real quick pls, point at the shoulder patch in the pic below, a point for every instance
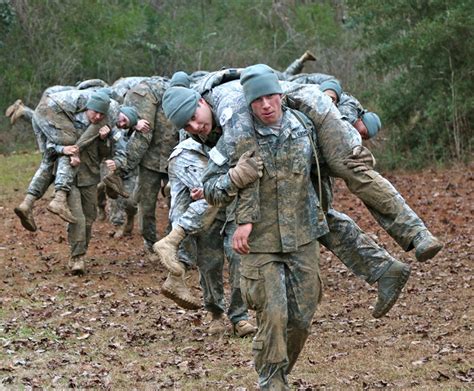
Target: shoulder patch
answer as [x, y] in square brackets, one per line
[217, 157]
[117, 135]
[225, 116]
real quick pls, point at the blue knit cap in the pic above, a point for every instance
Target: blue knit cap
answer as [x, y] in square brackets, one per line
[180, 79]
[180, 104]
[99, 102]
[131, 113]
[259, 80]
[372, 123]
[333, 85]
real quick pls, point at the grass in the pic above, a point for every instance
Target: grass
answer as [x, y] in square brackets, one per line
[16, 172]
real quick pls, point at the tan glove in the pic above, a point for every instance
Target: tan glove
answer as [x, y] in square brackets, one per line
[248, 169]
[360, 160]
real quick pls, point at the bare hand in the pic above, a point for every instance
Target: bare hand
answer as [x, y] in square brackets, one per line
[240, 240]
[70, 150]
[197, 193]
[142, 126]
[75, 160]
[104, 132]
[111, 165]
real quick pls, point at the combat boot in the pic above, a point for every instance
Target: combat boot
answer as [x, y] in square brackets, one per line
[175, 288]
[77, 265]
[114, 182]
[11, 109]
[167, 250]
[244, 328]
[390, 285]
[18, 113]
[426, 245]
[59, 207]
[25, 212]
[308, 56]
[217, 324]
[125, 229]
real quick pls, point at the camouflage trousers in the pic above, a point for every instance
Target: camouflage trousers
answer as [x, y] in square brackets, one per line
[365, 258]
[284, 289]
[148, 188]
[206, 250]
[83, 203]
[121, 208]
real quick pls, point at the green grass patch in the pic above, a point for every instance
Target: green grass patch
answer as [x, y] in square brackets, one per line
[16, 171]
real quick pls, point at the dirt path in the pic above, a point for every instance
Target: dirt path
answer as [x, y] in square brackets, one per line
[112, 329]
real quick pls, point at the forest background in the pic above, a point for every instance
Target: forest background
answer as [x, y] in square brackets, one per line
[408, 60]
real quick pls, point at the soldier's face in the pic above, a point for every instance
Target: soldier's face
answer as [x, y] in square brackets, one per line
[267, 108]
[332, 94]
[123, 122]
[201, 122]
[94, 116]
[362, 129]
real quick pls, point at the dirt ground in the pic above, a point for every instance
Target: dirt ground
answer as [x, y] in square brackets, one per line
[112, 329]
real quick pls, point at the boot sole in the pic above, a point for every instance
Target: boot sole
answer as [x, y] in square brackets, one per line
[115, 189]
[65, 218]
[166, 265]
[183, 303]
[24, 220]
[405, 274]
[429, 253]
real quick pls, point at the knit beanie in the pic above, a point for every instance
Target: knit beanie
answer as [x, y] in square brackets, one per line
[99, 102]
[179, 105]
[333, 85]
[372, 123]
[180, 79]
[131, 113]
[259, 80]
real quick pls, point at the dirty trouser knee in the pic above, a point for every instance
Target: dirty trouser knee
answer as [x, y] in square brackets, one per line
[149, 184]
[354, 248]
[187, 251]
[43, 176]
[123, 207]
[210, 261]
[337, 140]
[65, 174]
[237, 310]
[76, 232]
[284, 290]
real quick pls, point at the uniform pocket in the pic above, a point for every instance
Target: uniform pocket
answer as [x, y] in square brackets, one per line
[252, 286]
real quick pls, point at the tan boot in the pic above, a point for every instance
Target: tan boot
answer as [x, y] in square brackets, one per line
[308, 56]
[175, 288]
[77, 265]
[426, 245]
[25, 212]
[217, 324]
[11, 109]
[59, 207]
[167, 251]
[18, 113]
[244, 328]
[115, 183]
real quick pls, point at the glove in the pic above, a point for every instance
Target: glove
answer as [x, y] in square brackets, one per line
[360, 160]
[248, 169]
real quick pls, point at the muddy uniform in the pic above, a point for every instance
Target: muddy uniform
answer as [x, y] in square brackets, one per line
[186, 164]
[350, 108]
[121, 86]
[150, 151]
[311, 78]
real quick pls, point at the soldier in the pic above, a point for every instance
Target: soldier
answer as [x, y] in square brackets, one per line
[55, 121]
[150, 151]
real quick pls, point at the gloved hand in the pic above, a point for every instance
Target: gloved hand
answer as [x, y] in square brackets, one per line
[248, 169]
[360, 160]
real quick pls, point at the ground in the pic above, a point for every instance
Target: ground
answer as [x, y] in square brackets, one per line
[112, 329]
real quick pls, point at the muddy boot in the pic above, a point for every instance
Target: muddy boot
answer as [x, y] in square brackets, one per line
[59, 207]
[426, 245]
[125, 229]
[101, 215]
[167, 250]
[114, 182]
[12, 108]
[308, 56]
[175, 288]
[244, 328]
[390, 285]
[77, 265]
[217, 324]
[25, 212]
[18, 113]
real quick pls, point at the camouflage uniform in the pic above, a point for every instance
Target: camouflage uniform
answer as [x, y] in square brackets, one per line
[185, 168]
[280, 277]
[121, 86]
[150, 151]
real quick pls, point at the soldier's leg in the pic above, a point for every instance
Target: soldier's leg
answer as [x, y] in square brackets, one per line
[149, 183]
[264, 290]
[125, 209]
[304, 290]
[77, 232]
[89, 208]
[237, 311]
